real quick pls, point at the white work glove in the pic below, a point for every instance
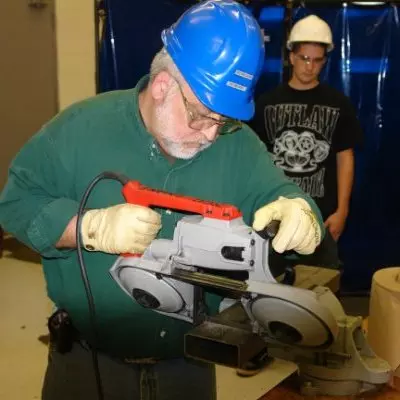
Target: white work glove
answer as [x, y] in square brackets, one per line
[125, 228]
[299, 229]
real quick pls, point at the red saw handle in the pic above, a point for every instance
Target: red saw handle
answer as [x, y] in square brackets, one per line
[136, 193]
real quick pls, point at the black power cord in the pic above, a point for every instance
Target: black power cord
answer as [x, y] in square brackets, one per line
[92, 310]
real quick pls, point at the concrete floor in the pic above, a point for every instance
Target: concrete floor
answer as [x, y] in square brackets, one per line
[24, 309]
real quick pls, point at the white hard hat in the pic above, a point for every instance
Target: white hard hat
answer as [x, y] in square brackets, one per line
[311, 29]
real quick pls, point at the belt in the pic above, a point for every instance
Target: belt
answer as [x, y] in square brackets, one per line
[149, 360]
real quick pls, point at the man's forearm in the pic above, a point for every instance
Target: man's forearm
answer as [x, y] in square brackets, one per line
[345, 178]
[68, 238]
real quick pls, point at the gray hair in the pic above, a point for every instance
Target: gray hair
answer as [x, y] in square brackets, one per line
[162, 61]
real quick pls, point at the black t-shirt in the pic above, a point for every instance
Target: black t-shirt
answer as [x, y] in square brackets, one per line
[304, 129]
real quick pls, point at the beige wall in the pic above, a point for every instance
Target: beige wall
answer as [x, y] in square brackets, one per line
[28, 82]
[75, 35]
[49, 64]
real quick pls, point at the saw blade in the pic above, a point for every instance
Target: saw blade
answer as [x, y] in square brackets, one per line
[204, 279]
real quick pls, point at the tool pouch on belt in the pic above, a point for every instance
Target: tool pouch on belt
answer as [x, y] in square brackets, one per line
[62, 332]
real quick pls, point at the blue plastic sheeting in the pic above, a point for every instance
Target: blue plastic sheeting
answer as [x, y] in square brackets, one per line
[132, 37]
[271, 14]
[274, 66]
[365, 65]
[271, 21]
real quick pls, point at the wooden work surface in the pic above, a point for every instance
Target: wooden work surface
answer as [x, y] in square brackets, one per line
[283, 392]
[307, 277]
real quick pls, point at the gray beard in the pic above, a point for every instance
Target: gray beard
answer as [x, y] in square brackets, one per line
[176, 150]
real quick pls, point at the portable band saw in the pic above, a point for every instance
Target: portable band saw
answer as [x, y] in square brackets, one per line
[308, 327]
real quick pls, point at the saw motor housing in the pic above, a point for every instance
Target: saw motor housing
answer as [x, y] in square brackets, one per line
[209, 244]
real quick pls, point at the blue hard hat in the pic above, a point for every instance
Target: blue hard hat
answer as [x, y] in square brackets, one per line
[218, 48]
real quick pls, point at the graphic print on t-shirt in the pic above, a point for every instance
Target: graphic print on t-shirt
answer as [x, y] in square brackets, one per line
[302, 137]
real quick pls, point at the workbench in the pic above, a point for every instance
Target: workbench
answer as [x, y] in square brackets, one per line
[308, 277]
[284, 392]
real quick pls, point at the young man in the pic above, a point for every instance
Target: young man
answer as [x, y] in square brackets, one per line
[311, 130]
[175, 132]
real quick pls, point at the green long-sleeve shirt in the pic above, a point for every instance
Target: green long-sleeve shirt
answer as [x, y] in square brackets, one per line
[51, 172]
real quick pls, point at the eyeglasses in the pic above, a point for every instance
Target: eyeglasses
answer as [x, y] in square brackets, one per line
[199, 121]
[308, 60]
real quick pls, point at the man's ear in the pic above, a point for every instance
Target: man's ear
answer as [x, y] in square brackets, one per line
[160, 86]
[291, 57]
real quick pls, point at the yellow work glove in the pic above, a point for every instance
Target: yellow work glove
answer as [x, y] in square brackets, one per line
[125, 228]
[298, 230]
